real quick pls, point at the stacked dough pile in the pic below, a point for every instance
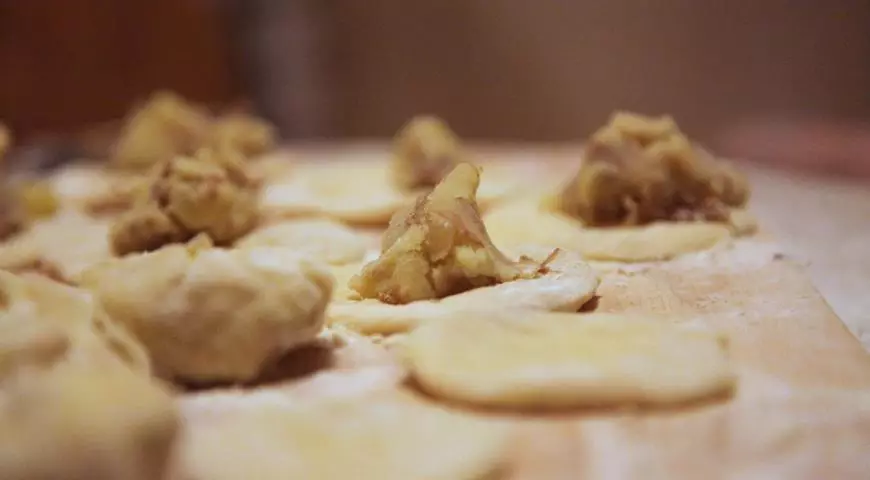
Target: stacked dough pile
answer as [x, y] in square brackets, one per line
[197, 309]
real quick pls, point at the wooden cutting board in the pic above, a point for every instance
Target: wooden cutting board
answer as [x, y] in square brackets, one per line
[802, 408]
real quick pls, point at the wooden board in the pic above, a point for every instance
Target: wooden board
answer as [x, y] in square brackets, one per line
[802, 409]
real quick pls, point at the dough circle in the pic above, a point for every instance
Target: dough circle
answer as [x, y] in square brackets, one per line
[386, 436]
[569, 284]
[324, 239]
[658, 241]
[349, 191]
[360, 193]
[527, 224]
[548, 360]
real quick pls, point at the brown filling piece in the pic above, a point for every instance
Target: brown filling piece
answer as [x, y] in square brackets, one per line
[165, 126]
[638, 170]
[425, 150]
[438, 247]
[209, 193]
[246, 134]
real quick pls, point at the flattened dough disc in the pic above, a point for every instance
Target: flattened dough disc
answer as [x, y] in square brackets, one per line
[566, 287]
[324, 239]
[527, 224]
[94, 188]
[358, 192]
[539, 360]
[659, 241]
[385, 437]
[350, 191]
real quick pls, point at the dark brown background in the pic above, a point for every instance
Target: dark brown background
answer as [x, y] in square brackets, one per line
[510, 69]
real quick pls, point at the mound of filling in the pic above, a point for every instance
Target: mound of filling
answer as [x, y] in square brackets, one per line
[247, 134]
[164, 126]
[167, 125]
[637, 170]
[209, 193]
[438, 247]
[424, 151]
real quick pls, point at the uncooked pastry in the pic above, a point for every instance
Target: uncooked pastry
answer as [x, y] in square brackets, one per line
[506, 359]
[359, 192]
[98, 423]
[515, 224]
[208, 314]
[568, 284]
[323, 239]
[96, 190]
[44, 324]
[387, 436]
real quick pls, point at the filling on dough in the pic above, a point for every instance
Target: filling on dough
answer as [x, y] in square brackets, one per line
[167, 126]
[425, 150]
[438, 247]
[637, 170]
[209, 192]
[248, 135]
[43, 323]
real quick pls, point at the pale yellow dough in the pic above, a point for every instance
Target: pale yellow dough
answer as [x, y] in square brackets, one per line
[44, 324]
[541, 360]
[528, 224]
[659, 241]
[98, 423]
[353, 192]
[569, 284]
[95, 189]
[388, 436]
[323, 239]
[342, 275]
[214, 315]
[358, 192]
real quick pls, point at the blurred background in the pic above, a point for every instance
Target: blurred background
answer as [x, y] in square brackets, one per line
[773, 80]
